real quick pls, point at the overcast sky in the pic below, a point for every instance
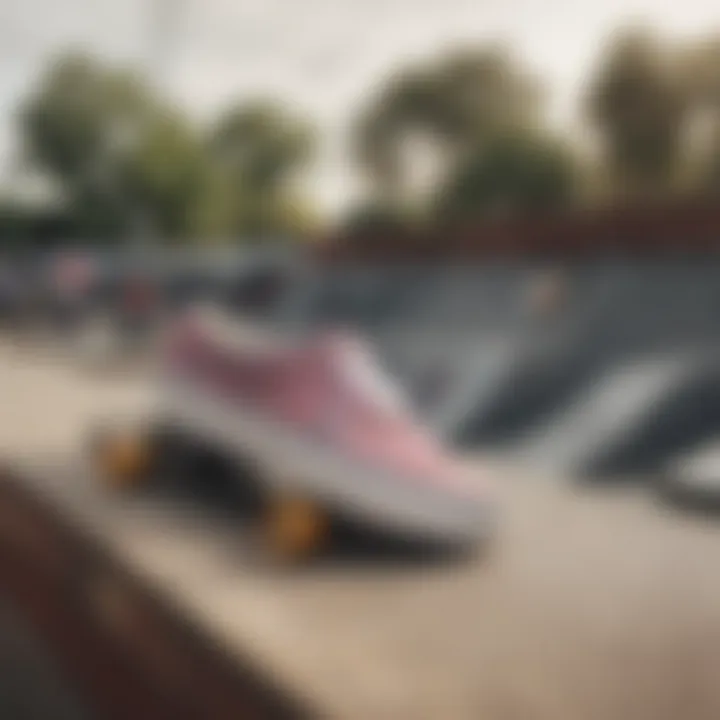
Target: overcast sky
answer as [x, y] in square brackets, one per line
[323, 55]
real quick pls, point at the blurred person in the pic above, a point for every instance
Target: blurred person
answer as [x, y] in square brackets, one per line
[549, 293]
[139, 305]
[71, 280]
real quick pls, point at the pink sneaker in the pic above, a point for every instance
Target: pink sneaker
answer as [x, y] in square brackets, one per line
[321, 418]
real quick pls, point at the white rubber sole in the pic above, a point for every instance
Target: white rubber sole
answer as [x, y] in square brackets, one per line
[290, 462]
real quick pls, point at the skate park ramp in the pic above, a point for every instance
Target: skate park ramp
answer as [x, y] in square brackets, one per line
[457, 327]
[420, 298]
[363, 298]
[613, 313]
[445, 377]
[632, 418]
[497, 344]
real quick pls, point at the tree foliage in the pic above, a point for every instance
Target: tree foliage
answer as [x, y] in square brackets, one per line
[128, 162]
[124, 159]
[260, 147]
[699, 68]
[164, 174]
[261, 144]
[637, 103]
[372, 218]
[514, 172]
[457, 102]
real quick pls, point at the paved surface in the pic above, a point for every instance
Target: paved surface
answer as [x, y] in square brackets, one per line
[592, 606]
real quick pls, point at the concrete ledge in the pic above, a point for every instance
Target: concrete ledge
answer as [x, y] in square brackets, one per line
[122, 648]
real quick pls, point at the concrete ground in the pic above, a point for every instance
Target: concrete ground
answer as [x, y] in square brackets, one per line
[593, 605]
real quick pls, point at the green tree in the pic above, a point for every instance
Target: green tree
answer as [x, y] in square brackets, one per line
[165, 177]
[699, 64]
[514, 172]
[456, 102]
[375, 218]
[126, 161]
[699, 69]
[260, 147]
[76, 125]
[638, 106]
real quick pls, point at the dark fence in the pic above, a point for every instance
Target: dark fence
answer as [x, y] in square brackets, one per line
[644, 229]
